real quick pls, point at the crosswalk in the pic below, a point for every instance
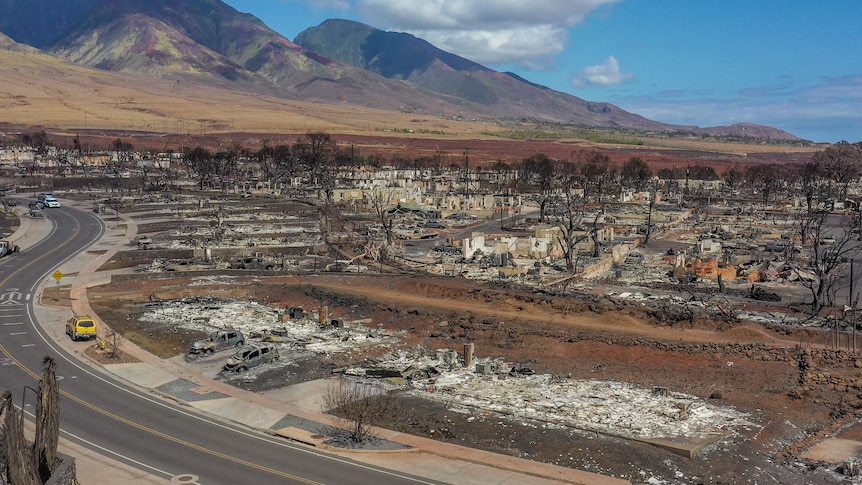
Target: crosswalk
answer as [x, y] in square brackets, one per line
[12, 303]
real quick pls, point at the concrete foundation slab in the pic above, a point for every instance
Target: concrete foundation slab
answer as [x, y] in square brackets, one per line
[308, 395]
[834, 450]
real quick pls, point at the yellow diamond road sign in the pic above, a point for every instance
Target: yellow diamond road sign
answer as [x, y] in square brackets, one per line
[58, 275]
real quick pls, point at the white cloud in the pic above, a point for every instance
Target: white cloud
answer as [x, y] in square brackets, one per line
[468, 15]
[327, 4]
[842, 88]
[607, 74]
[528, 33]
[530, 46]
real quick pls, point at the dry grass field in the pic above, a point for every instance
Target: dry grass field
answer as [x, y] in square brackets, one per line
[38, 91]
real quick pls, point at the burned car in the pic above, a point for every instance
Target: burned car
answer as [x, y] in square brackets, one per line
[252, 263]
[216, 341]
[251, 356]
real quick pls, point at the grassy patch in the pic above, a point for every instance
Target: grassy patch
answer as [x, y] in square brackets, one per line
[104, 357]
[9, 223]
[164, 341]
[56, 296]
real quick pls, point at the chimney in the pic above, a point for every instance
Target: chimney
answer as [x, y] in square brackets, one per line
[468, 355]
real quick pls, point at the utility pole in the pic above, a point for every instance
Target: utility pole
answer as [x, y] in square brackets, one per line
[852, 304]
[467, 171]
[856, 302]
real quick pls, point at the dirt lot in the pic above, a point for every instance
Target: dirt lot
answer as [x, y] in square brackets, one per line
[579, 336]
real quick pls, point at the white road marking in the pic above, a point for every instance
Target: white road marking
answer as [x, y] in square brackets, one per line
[124, 457]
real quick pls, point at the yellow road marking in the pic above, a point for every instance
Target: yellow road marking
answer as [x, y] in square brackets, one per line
[132, 423]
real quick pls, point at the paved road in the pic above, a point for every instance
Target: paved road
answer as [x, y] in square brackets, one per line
[147, 433]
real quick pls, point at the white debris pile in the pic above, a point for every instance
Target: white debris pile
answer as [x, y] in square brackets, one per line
[248, 214]
[295, 237]
[210, 280]
[607, 407]
[781, 318]
[310, 335]
[208, 314]
[397, 360]
[189, 230]
[650, 269]
[291, 228]
[259, 321]
[644, 295]
[158, 265]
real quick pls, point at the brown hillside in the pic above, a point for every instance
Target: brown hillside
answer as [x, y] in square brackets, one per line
[41, 92]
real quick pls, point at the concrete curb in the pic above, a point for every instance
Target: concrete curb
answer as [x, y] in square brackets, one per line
[308, 438]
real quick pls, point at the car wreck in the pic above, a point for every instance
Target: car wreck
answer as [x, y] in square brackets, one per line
[251, 356]
[217, 341]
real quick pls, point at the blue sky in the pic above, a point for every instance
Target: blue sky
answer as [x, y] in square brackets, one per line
[791, 64]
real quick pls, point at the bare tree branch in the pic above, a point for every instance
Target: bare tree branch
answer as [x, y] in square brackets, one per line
[828, 260]
[358, 407]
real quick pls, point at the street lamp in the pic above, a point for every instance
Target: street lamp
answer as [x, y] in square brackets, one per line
[23, 396]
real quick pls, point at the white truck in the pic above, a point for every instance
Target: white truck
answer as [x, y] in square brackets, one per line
[7, 248]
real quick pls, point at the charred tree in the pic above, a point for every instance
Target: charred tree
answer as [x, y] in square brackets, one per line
[47, 421]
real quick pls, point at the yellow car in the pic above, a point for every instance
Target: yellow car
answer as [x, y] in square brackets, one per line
[81, 328]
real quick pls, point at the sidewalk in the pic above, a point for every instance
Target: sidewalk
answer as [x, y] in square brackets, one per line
[293, 413]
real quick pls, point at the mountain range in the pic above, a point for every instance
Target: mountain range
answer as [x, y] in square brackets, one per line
[337, 62]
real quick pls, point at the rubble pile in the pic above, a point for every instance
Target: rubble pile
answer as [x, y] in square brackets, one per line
[645, 269]
[260, 322]
[758, 293]
[256, 232]
[613, 408]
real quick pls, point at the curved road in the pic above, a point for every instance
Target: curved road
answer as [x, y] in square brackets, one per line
[111, 418]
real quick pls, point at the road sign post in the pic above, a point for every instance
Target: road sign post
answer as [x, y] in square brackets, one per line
[58, 275]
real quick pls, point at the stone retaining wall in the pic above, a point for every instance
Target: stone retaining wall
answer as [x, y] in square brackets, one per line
[812, 362]
[811, 377]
